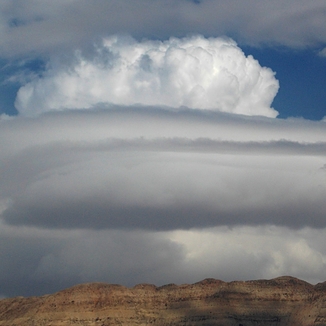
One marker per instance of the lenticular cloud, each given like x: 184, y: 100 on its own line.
x: 194, y: 72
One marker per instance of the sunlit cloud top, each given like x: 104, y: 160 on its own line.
x: 194, y: 72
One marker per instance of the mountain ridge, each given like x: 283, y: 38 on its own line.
x: 283, y: 300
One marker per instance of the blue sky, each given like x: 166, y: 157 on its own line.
x: 161, y: 142
x: 302, y: 76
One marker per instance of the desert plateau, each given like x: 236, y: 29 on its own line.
x: 280, y: 301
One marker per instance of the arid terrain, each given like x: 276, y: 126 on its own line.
x: 280, y: 301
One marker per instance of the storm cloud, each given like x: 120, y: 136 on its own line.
x: 146, y: 147
x: 130, y: 194
x: 39, y: 261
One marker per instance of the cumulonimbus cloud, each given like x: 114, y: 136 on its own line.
x: 194, y: 72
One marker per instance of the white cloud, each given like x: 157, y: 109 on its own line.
x: 194, y: 72
x: 243, y: 253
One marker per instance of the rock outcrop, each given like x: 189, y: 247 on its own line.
x: 280, y: 301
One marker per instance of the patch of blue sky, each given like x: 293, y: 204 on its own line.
x: 13, y: 74
x: 302, y: 77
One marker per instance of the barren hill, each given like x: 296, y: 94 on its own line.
x: 280, y: 301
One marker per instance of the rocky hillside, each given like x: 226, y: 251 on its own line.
x: 280, y: 301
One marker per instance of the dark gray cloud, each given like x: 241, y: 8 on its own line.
x: 37, y: 261
x: 104, y: 213
x: 37, y: 26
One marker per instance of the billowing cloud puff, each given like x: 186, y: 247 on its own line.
x: 194, y: 72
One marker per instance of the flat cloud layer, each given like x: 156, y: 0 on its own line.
x: 194, y: 72
x: 29, y: 26
x: 161, y: 169
x: 136, y: 194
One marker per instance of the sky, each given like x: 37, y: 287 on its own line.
x: 161, y: 142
